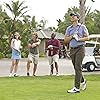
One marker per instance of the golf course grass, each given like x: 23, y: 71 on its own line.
x: 47, y: 88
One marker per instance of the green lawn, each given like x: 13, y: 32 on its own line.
x: 47, y: 88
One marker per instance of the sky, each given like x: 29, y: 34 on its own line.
x: 52, y: 10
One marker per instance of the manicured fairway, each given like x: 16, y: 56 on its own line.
x: 47, y: 88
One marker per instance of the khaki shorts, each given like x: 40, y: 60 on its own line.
x: 33, y: 58
x: 53, y: 59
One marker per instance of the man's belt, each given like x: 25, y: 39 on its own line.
x: 77, y: 47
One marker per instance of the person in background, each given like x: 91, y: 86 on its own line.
x: 16, y: 54
x: 76, y: 35
x: 53, y: 46
x: 33, y: 56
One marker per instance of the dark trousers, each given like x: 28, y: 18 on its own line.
x: 77, y: 55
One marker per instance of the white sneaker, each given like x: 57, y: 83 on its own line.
x: 10, y: 75
x: 51, y: 74
x: 83, y: 84
x: 57, y: 74
x: 74, y: 90
x: 16, y: 75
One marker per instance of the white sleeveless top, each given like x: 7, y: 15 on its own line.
x: 16, y: 44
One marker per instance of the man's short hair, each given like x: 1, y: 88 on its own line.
x: 35, y: 33
x: 53, y: 33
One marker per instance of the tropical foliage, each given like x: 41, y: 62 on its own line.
x: 91, y: 20
x: 18, y: 20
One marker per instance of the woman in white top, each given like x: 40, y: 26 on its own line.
x: 16, y: 54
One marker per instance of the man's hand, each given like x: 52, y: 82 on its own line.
x: 34, y: 45
x: 67, y: 39
x: 50, y: 47
x: 75, y: 36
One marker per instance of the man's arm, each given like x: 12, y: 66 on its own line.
x: 67, y: 39
x: 35, y: 44
x: 38, y: 43
x: 86, y: 38
x: 29, y: 45
x: 58, y: 44
x: 86, y: 34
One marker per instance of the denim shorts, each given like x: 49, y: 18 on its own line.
x: 16, y: 54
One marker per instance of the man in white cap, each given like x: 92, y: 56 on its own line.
x: 76, y: 35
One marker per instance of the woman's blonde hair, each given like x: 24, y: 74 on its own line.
x: 16, y: 33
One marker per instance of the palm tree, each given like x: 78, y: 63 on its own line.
x: 82, y: 10
x: 17, y: 10
x: 43, y: 23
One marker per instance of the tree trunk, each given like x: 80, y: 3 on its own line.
x: 82, y: 10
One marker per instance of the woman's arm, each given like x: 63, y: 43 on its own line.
x: 12, y: 43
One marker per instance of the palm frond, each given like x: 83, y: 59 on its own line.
x: 23, y: 8
x: 93, y: 0
x: 23, y: 13
x: 9, y: 7
x: 19, y: 5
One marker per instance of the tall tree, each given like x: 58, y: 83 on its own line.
x: 43, y: 23
x: 66, y: 20
x: 82, y: 10
x: 17, y: 10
